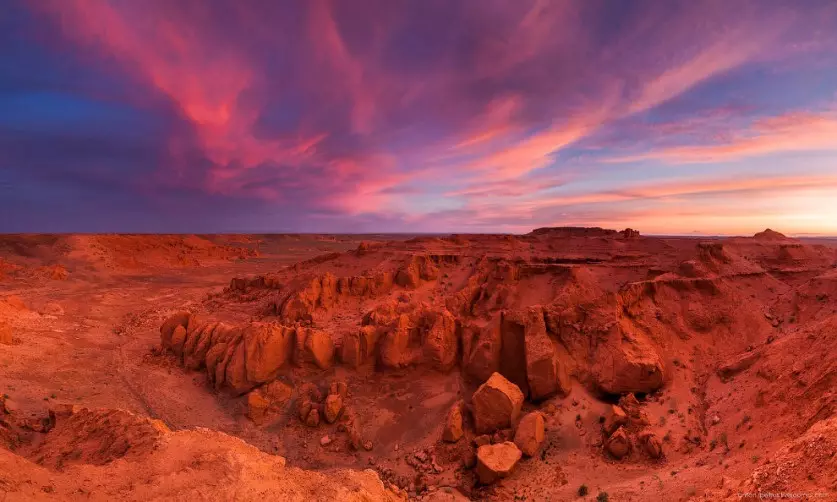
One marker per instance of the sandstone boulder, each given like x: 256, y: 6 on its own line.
x: 453, y: 424
x: 619, y: 444
x: 257, y: 406
x: 651, y: 444
x: 319, y: 349
x: 304, y: 407
x: 496, y: 404
x: 530, y: 433
x: 441, y: 343
x: 496, y: 461
x: 615, y: 418
x: 268, y: 400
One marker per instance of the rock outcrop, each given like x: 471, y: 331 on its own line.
x: 481, y: 347
x: 441, y: 343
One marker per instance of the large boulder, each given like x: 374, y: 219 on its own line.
x: 496, y: 461
x: 267, y: 348
x: 627, y: 362
x: 441, y: 343
x: 481, y: 354
x: 496, y: 404
x: 266, y: 400
x: 530, y: 433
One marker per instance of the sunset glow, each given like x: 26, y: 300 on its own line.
x: 680, y: 117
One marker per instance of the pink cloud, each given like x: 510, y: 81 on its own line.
x: 791, y: 132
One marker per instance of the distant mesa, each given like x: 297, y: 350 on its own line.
x: 628, y: 233
x: 769, y: 235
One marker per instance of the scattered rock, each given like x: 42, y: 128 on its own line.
x: 266, y: 399
x: 496, y: 404
x: 651, y: 444
x: 257, y: 406
x: 304, y: 408
x: 619, y: 444
x: 737, y: 365
x: 615, y: 418
x: 530, y: 433
x: 325, y: 441
x: 313, y: 418
x: 496, y: 461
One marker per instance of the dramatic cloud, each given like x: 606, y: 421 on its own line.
x: 400, y: 115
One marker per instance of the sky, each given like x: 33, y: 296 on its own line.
x: 363, y: 116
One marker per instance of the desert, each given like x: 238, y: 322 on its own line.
x: 418, y: 250
x: 561, y: 364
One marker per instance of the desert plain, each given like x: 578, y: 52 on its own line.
x: 562, y: 364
